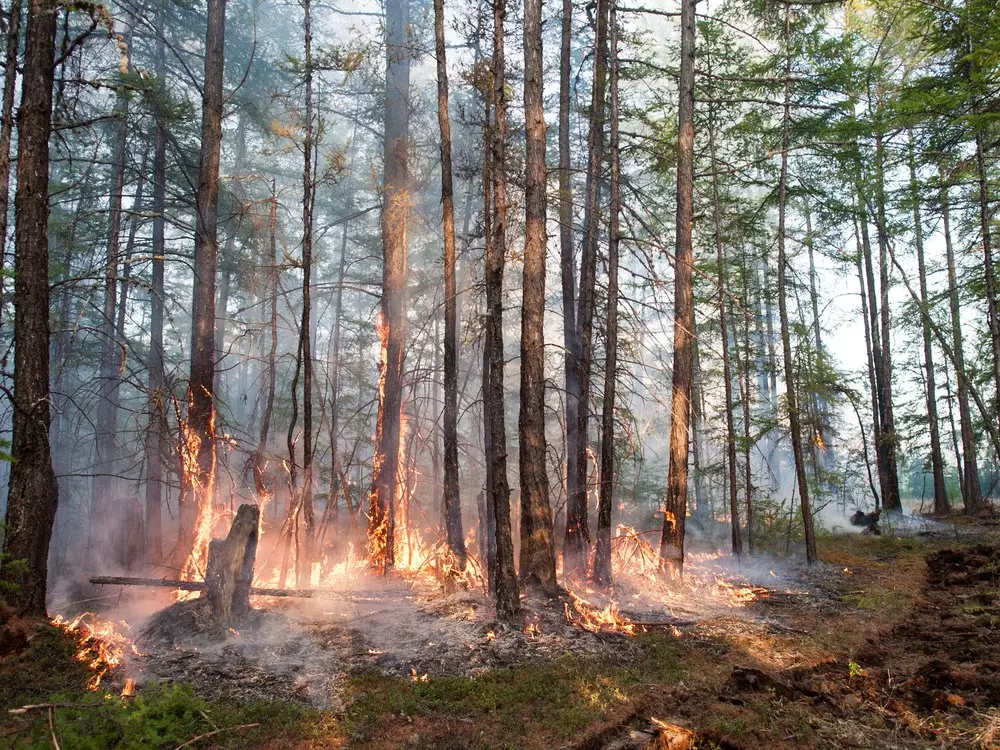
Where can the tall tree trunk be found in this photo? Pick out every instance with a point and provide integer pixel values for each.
(720, 259)
(102, 505)
(396, 200)
(199, 490)
(507, 595)
(989, 272)
(972, 494)
(675, 511)
(891, 501)
(452, 500)
(7, 129)
(795, 428)
(260, 460)
(568, 267)
(577, 539)
(32, 494)
(869, 350)
(745, 399)
(941, 506)
(538, 560)
(156, 441)
(305, 553)
(602, 549)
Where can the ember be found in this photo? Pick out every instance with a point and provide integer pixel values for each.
(103, 644)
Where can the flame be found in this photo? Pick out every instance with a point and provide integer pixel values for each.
(378, 529)
(194, 567)
(818, 440)
(608, 620)
(738, 595)
(103, 644)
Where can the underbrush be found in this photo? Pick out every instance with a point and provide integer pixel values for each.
(48, 677)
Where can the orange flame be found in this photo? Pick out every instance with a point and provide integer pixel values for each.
(103, 644)
(608, 620)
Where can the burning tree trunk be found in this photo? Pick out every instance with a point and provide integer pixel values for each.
(794, 424)
(577, 539)
(672, 538)
(157, 439)
(602, 550)
(972, 494)
(32, 493)
(538, 561)
(452, 500)
(199, 431)
(498, 491)
(392, 318)
(229, 572)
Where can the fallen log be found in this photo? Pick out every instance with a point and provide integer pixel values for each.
(168, 583)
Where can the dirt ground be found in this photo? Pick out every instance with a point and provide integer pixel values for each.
(890, 642)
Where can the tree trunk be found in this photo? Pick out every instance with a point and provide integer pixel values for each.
(675, 511)
(199, 439)
(720, 259)
(941, 507)
(7, 129)
(989, 274)
(568, 267)
(972, 494)
(794, 424)
(538, 561)
(452, 500)
(260, 461)
(156, 442)
(577, 539)
(891, 501)
(602, 551)
(102, 505)
(507, 595)
(304, 557)
(32, 494)
(396, 200)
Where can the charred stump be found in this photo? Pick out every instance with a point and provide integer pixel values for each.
(229, 571)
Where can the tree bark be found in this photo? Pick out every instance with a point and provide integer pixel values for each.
(538, 561)
(455, 534)
(32, 494)
(199, 440)
(972, 494)
(7, 129)
(507, 594)
(941, 506)
(794, 424)
(675, 511)
(577, 539)
(156, 441)
(602, 550)
(396, 200)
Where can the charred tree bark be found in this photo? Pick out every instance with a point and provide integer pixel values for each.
(602, 551)
(941, 506)
(675, 511)
(538, 560)
(794, 424)
(396, 201)
(32, 494)
(498, 495)
(972, 494)
(452, 501)
(577, 540)
(229, 572)
(198, 493)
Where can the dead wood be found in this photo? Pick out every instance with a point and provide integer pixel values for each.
(229, 572)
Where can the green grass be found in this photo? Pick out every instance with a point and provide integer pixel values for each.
(160, 716)
(555, 700)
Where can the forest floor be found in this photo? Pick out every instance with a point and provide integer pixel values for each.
(891, 642)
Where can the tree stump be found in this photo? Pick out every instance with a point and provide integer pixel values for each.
(229, 571)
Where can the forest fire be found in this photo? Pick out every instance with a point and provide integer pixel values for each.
(103, 644)
(585, 615)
